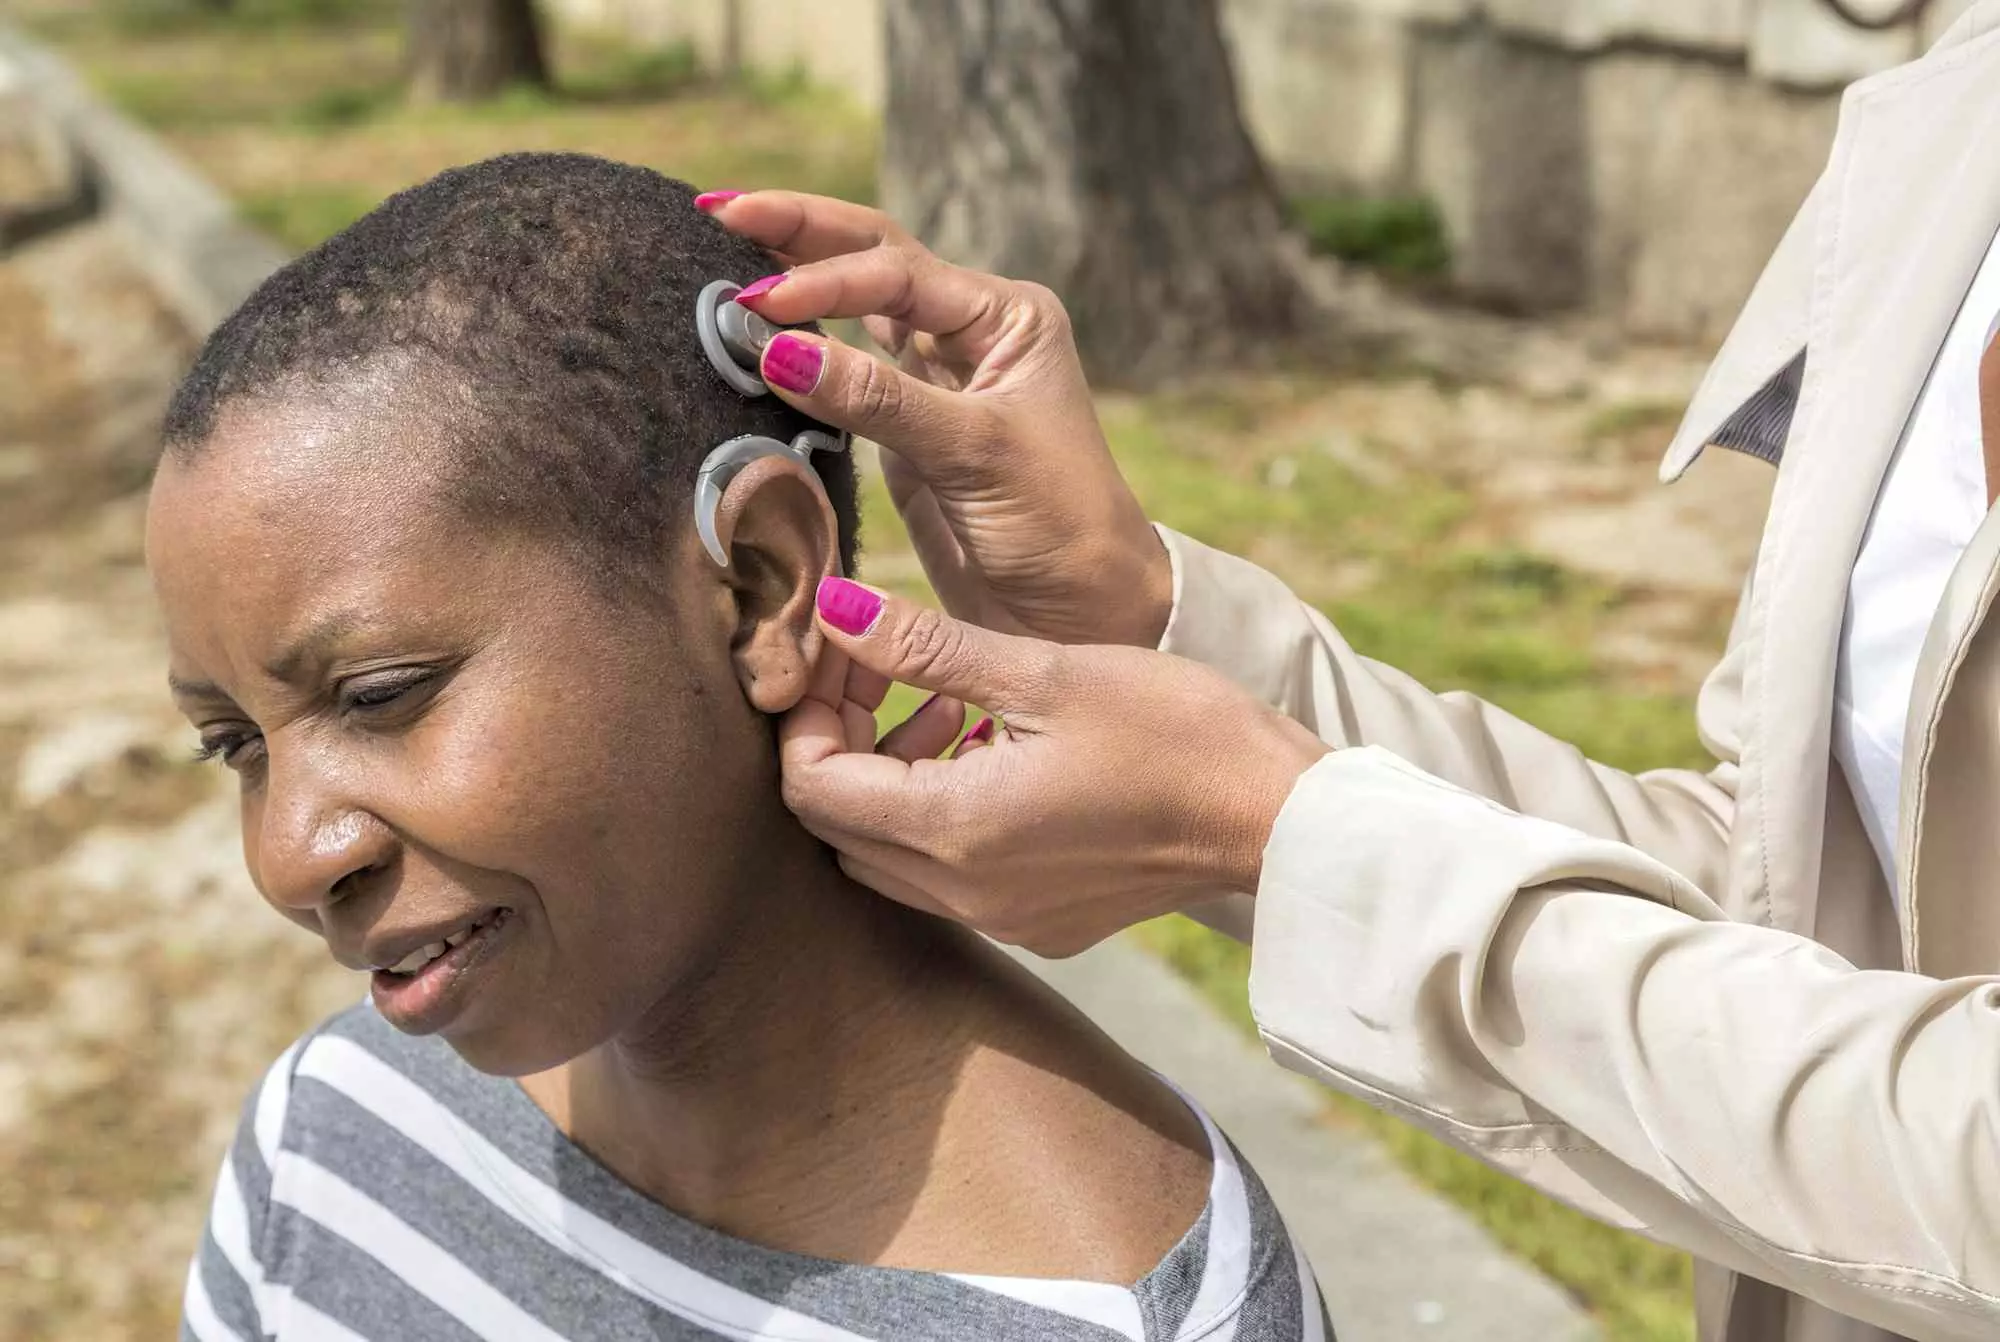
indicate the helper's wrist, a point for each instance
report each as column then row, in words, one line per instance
column 1270, row 770
column 1138, row 582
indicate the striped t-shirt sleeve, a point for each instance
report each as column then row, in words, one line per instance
column 227, row 1296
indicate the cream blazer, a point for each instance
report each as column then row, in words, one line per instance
column 1684, row 1002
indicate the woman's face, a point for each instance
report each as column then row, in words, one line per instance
column 449, row 739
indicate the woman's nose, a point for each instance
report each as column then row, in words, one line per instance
column 312, row 842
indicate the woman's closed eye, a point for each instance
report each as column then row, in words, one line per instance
column 376, row 698
column 231, row 744
column 381, row 694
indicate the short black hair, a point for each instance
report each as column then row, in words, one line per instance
column 548, row 300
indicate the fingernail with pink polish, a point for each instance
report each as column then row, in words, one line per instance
column 983, row 732
column 793, row 364
column 756, row 289
column 848, row 606
column 708, row 202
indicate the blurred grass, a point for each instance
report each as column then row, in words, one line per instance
column 1402, row 237
column 293, row 106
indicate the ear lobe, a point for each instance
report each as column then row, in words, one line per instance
column 777, row 526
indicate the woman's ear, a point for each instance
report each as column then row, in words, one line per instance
column 777, row 527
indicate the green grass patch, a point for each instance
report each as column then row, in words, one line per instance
column 156, row 18
column 1506, row 625
column 608, row 71
column 301, row 218
column 1402, row 237
column 297, row 108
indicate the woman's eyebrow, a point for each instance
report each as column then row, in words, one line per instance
column 313, row 643
column 194, row 689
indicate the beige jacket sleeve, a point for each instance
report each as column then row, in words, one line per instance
column 1235, row 617
column 1580, row 1015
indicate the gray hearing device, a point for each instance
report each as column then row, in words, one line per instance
column 734, row 338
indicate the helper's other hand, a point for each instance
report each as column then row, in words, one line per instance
column 1120, row 784
column 992, row 447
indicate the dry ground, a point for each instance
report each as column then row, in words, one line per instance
column 140, row 986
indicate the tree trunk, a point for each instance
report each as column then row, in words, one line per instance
column 464, row 50
column 1095, row 146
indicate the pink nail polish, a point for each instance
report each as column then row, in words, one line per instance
column 708, row 202
column 793, row 364
column 982, row 732
column 848, row 606
column 755, row 290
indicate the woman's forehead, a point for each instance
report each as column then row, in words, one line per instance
column 282, row 478
column 287, row 515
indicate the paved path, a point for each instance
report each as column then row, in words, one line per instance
column 1398, row 1264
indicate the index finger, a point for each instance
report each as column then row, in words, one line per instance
column 802, row 227
column 903, row 283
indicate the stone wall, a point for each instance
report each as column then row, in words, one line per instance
column 1636, row 157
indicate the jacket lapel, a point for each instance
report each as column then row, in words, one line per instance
column 1906, row 212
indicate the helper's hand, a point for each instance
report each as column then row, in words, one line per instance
column 991, row 444
column 1123, row 783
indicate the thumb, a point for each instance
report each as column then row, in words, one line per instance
column 930, row 650
column 871, row 398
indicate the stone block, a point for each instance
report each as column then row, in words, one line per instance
column 702, row 24
column 1590, row 25
column 186, row 237
column 44, row 183
column 839, row 43
column 1803, row 44
column 1325, row 90
column 1409, row 11
column 1500, row 146
column 1694, row 174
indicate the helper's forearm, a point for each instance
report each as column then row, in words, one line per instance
column 1235, row 617
column 1574, row 1013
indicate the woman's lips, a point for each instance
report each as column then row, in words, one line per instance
column 428, row 999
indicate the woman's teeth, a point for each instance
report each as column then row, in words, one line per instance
column 418, row 958
column 423, row 955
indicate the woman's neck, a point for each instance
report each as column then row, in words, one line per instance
column 826, row 1035
column 857, row 1081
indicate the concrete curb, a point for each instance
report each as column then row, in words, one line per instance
column 1397, row 1264
column 185, row 236
column 69, row 197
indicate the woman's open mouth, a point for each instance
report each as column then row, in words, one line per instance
column 422, row 992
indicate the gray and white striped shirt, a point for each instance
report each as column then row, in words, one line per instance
column 380, row 1188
